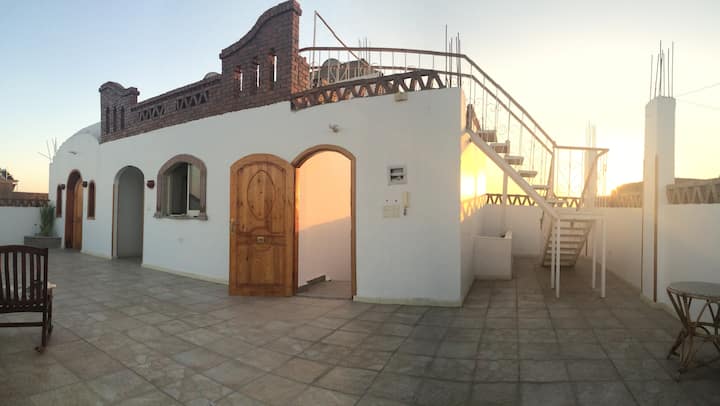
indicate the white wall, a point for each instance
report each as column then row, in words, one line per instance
column 80, row 152
column 17, row 222
column 689, row 251
column 624, row 242
column 414, row 258
column 473, row 181
column 324, row 222
column 130, row 189
column 523, row 221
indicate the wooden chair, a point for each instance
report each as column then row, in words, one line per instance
column 24, row 287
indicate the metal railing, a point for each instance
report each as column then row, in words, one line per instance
column 495, row 109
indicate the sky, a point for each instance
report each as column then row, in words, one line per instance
column 568, row 62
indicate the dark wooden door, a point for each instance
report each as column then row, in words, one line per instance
column 262, row 226
column 77, row 216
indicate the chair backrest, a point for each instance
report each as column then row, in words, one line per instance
column 23, row 278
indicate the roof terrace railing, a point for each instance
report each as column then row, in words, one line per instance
column 495, row 110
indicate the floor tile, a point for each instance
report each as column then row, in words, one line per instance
column 348, row 380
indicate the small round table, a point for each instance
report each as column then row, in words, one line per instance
column 703, row 327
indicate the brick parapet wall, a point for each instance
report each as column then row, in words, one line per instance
column 24, row 199
column 276, row 33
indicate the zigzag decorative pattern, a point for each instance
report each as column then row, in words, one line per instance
column 701, row 192
column 406, row 82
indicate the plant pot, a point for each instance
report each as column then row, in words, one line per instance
column 40, row 241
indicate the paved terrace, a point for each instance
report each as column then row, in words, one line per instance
column 125, row 335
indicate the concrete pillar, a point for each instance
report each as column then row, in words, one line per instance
column 658, row 172
column 591, row 169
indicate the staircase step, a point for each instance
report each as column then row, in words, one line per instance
column 527, row 173
column 562, row 264
column 514, row 159
column 500, row 147
column 488, row 135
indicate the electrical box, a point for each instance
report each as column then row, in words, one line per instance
column 396, row 206
column 397, row 175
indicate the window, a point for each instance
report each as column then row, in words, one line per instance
column 273, row 69
column 238, row 76
column 91, row 201
column 107, row 120
column 183, row 191
column 58, row 201
column 182, row 188
column 257, row 75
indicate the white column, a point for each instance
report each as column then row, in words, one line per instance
column 504, row 203
column 658, row 172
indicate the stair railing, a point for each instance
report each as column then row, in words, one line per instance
column 495, row 108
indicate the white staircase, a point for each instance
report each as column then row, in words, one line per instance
column 569, row 228
column 573, row 237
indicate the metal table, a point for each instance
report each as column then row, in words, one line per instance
column 702, row 328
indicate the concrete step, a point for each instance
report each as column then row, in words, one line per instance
column 500, row 147
column 488, row 135
column 514, row 159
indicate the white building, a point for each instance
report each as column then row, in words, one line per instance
column 258, row 178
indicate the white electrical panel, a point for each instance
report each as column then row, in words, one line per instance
column 396, row 205
column 391, row 210
column 397, row 175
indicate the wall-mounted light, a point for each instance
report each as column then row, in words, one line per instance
column 84, row 183
column 334, row 128
column 150, row 184
column 62, row 186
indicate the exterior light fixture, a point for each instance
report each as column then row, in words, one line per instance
column 150, row 184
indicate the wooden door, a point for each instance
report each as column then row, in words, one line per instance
column 77, row 216
column 262, row 226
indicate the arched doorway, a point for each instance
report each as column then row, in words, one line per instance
column 261, row 226
column 129, row 198
column 74, row 211
column 325, row 222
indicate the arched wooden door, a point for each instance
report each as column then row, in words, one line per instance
column 74, row 216
column 262, row 212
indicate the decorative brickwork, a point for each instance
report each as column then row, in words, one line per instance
column 262, row 68
column 24, row 199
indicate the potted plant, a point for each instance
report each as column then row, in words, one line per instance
column 46, row 238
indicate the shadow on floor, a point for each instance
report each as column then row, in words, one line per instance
column 327, row 290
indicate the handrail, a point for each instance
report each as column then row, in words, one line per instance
column 593, row 170
column 483, row 92
column 444, row 54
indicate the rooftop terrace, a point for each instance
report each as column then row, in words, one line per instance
column 129, row 335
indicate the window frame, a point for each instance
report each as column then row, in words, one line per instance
column 164, row 188
column 91, row 200
column 58, row 201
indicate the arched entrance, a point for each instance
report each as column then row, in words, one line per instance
column 129, row 198
column 74, row 211
column 325, row 222
column 264, row 219
column 261, row 226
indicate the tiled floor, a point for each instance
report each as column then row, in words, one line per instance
column 327, row 290
column 131, row 336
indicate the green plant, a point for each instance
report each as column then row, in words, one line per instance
column 47, row 220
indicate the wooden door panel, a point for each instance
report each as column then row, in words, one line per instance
column 262, row 225
column 77, row 215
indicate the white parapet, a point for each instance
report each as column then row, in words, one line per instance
column 492, row 257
